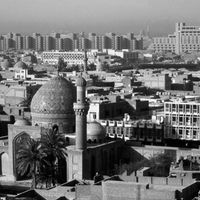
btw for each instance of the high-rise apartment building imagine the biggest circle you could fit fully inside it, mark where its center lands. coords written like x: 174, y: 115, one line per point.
x: 68, y: 44
x: 111, y: 40
x: 70, y: 41
x: 185, y: 39
x: 2, y: 43
x: 84, y: 43
x: 105, y: 42
x: 97, y: 42
x: 118, y: 42
x: 38, y: 42
x: 48, y: 43
x: 28, y: 42
x: 9, y: 43
x: 91, y: 38
x: 18, y: 42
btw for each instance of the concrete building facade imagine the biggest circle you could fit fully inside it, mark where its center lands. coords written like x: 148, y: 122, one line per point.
x: 182, y: 120
x: 185, y: 39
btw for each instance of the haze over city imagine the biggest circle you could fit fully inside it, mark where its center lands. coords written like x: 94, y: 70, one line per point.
x: 96, y: 16
x: 99, y: 99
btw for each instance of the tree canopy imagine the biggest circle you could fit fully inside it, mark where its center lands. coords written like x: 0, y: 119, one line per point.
x: 39, y: 158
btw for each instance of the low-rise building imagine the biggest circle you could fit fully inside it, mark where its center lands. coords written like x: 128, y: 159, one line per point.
x: 71, y: 58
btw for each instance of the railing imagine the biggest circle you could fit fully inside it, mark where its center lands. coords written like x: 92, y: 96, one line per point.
x: 120, y: 123
x: 111, y: 123
x: 104, y: 123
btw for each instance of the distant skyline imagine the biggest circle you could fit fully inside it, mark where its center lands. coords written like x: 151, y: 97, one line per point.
x: 120, y: 16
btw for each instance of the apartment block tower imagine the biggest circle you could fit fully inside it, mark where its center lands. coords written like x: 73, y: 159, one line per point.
x: 185, y: 39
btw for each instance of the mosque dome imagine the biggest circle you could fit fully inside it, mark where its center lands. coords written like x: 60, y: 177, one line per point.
x: 95, y: 131
x: 80, y: 81
x: 22, y: 122
x: 20, y: 65
x: 53, y: 104
x: 6, y: 64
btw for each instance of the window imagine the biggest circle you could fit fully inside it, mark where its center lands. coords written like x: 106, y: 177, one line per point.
x: 187, y: 134
x: 194, y: 134
x: 188, y: 121
x: 180, y: 133
x: 180, y: 120
x: 187, y: 108
x: 194, y: 121
x: 167, y: 107
x: 194, y: 108
x: 173, y: 108
x: 180, y: 108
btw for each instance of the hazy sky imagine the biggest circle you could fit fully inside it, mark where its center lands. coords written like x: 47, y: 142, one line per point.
x: 102, y: 16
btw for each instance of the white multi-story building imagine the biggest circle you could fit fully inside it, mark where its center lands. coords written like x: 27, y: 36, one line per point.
x: 126, y: 54
x: 182, y: 120
x: 184, y: 39
x: 72, y: 58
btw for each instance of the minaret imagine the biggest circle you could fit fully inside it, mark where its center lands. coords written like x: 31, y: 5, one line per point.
x: 99, y: 66
x: 58, y: 66
x: 85, y: 62
x: 81, y: 108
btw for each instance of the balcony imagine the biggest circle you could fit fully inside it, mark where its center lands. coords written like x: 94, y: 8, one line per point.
x: 128, y: 124
x: 135, y: 124
x: 120, y: 136
x: 141, y: 125
x: 150, y: 139
x: 141, y: 138
x: 120, y: 123
x: 111, y: 123
x: 104, y: 122
x: 111, y: 135
x: 159, y: 126
x: 150, y: 125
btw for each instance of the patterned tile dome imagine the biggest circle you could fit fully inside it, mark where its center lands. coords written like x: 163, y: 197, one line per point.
x: 53, y: 103
x: 54, y: 97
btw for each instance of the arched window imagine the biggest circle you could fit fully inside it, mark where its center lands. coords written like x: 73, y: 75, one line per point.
x: 17, y: 141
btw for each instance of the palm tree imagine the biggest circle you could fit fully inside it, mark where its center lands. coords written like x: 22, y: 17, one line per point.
x: 54, y: 144
x: 161, y: 163
x: 30, y: 157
